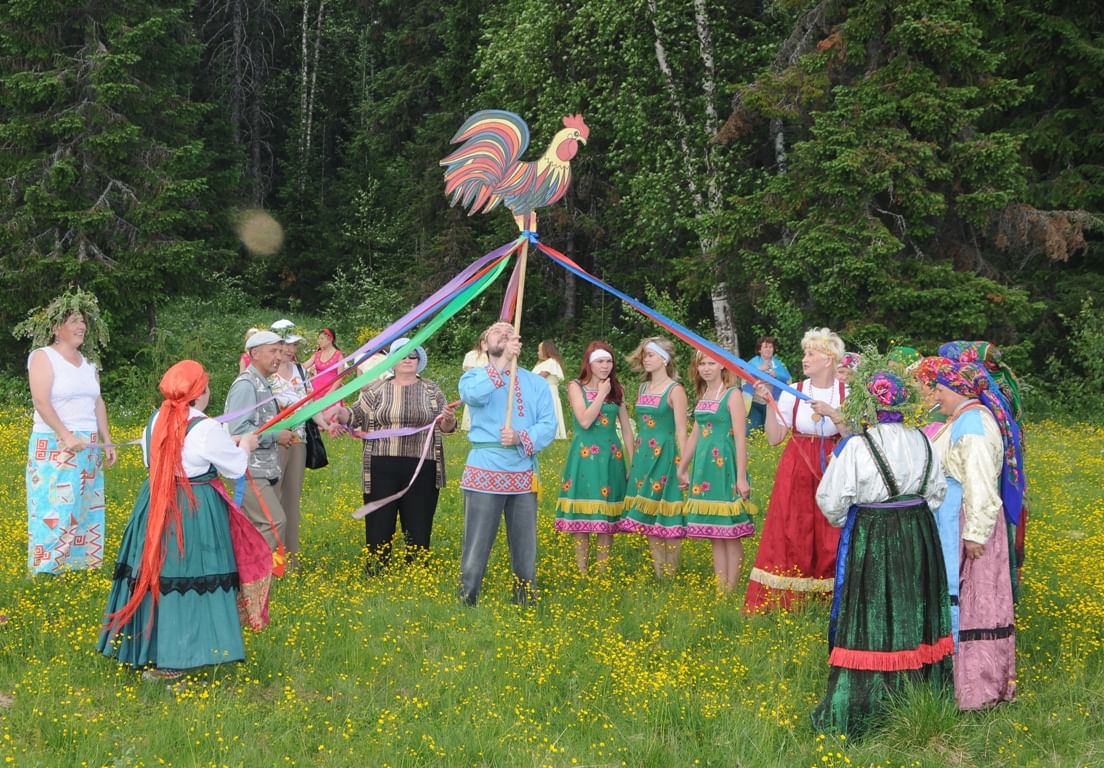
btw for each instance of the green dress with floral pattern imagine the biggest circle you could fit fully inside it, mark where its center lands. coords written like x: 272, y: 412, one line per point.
x: 592, y: 491
x: 653, y: 505
x: 714, y: 509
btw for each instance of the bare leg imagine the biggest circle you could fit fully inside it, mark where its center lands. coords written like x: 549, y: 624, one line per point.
x: 605, y: 545
x: 582, y: 551
x: 671, y: 550
x: 659, y: 555
x: 735, y: 558
x: 720, y: 565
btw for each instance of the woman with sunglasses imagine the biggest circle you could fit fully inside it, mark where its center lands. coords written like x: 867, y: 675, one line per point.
x: 402, y: 400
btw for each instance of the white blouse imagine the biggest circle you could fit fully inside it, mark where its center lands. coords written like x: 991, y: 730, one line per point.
x: 806, y: 425
x: 205, y: 444
x: 852, y: 477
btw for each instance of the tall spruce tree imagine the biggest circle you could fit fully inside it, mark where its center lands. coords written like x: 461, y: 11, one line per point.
x: 877, y: 222
x: 103, y: 179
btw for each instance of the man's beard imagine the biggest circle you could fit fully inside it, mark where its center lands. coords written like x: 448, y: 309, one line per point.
x: 496, y: 351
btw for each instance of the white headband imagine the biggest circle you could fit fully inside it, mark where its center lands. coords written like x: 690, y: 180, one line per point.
x: 599, y: 354
x: 651, y: 346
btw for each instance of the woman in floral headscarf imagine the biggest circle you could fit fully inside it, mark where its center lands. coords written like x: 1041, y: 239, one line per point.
x: 890, y: 621
x: 979, y: 448
x: 989, y: 356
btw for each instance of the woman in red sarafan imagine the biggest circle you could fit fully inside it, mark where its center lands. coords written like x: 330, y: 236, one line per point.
x: 797, y: 553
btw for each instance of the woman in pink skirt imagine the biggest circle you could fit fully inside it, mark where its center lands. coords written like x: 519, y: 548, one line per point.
x: 979, y: 447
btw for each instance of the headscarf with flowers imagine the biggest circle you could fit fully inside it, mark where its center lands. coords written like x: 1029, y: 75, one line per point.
x: 883, y: 398
x: 850, y: 361
x: 989, y: 355
x: 927, y: 369
x: 181, y: 384
x: 973, y: 380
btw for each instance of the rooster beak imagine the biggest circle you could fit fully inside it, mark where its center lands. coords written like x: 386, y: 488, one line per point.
x: 581, y: 138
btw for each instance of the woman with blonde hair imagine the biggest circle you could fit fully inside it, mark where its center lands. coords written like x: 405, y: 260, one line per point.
x: 797, y: 553
x: 550, y: 367
x: 653, y: 504
x: 717, y: 507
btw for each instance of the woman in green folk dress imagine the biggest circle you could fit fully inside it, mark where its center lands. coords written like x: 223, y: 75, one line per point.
x: 653, y: 505
x: 714, y: 470
x: 592, y: 491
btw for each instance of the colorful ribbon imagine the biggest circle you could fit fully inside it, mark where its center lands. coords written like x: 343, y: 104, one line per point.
x: 299, y: 412
x: 721, y: 355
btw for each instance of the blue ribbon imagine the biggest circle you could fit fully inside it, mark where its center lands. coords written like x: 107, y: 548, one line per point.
x: 716, y: 352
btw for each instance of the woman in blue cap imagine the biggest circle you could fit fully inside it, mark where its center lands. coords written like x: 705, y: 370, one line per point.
x: 394, y: 470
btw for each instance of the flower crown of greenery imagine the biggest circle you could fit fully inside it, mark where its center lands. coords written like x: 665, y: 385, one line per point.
x: 41, y: 322
x: 860, y: 407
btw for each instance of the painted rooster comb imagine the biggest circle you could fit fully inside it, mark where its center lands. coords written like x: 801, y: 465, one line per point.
x: 576, y: 122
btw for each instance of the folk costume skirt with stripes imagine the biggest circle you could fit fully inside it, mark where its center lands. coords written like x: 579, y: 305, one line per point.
x: 890, y: 622
x: 196, y: 621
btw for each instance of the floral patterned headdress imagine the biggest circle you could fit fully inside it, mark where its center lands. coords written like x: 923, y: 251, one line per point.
x: 972, y: 379
x: 988, y: 355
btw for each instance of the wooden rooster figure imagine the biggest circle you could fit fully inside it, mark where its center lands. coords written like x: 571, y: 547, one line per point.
x: 485, y: 170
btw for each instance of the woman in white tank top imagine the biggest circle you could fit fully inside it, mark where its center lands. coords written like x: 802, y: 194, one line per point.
x: 65, y: 497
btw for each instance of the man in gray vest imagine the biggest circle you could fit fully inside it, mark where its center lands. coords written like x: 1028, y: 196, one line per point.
x: 265, y: 349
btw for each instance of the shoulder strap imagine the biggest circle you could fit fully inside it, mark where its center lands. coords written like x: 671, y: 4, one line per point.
x: 582, y: 390
x: 797, y: 402
x: 883, y: 467
x: 148, y: 433
x: 927, y: 463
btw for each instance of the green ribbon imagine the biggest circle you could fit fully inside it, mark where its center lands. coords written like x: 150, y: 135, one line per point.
x: 462, y: 299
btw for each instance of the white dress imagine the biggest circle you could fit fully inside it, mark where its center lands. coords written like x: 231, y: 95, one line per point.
x: 473, y: 359
x: 554, y: 377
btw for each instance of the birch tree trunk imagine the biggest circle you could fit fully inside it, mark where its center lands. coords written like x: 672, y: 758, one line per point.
x: 314, y: 77
x: 303, y: 59
x: 707, y: 241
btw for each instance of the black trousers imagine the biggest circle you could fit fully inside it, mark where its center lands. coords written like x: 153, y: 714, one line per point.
x: 415, y: 510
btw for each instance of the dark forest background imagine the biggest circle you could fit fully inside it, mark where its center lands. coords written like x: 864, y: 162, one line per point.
x: 906, y: 171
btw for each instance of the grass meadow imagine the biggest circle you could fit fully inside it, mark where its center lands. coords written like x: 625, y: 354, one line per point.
x: 613, y: 671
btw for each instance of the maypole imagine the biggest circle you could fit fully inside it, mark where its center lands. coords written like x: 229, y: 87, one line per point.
x: 485, y: 171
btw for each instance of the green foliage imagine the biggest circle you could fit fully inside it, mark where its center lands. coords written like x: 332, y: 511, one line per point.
x: 914, y: 170
x: 41, y: 322
x: 1079, y: 379
x: 104, y: 178
x: 882, y: 222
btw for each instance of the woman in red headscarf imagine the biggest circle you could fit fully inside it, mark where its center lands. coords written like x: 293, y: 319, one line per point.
x: 174, y: 599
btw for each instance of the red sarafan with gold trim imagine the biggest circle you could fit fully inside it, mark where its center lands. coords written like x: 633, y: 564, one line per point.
x: 486, y: 170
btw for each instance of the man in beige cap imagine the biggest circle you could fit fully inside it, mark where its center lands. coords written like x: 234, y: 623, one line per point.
x: 265, y: 350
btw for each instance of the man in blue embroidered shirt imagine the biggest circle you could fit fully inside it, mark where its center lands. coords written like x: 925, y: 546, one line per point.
x: 500, y: 477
